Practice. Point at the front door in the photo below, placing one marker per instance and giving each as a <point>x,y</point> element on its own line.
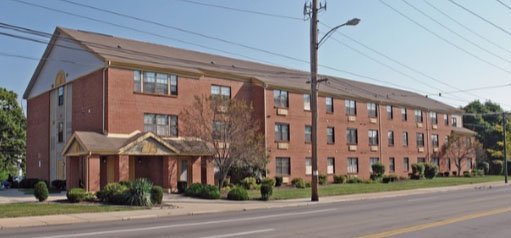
<point>183,173</point>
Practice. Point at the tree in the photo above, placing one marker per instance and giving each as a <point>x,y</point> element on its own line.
<point>487,122</point>
<point>229,127</point>
<point>12,132</point>
<point>458,148</point>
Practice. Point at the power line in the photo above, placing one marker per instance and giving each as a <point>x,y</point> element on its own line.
<point>480,17</point>
<point>443,38</point>
<point>183,30</point>
<point>242,10</point>
<point>454,32</point>
<point>465,27</point>
<point>505,5</point>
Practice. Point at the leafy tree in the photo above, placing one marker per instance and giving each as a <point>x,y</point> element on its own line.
<point>488,127</point>
<point>12,132</point>
<point>229,127</point>
<point>459,148</point>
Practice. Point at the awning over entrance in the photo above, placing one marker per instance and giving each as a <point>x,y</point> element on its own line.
<point>85,143</point>
<point>463,131</point>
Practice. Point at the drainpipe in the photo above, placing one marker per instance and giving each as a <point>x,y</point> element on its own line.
<point>265,125</point>
<point>104,98</point>
<point>88,172</point>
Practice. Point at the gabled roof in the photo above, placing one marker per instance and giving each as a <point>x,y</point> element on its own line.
<point>131,53</point>
<point>84,143</point>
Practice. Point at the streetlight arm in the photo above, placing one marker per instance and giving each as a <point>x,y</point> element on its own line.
<point>351,22</point>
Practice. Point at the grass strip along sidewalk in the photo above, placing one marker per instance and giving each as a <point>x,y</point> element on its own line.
<point>42,209</point>
<point>280,193</point>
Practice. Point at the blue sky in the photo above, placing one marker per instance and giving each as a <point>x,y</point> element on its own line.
<point>421,56</point>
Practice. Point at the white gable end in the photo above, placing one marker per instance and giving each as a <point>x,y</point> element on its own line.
<point>68,56</point>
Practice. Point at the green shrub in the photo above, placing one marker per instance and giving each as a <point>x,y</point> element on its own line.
<point>75,195</point>
<point>466,174</point>
<point>323,179</point>
<point>89,197</point>
<point>496,167</point>
<point>447,174</point>
<point>278,181</point>
<point>139,192</point>
<point>156,194</point>
<point>307,184</point>
<point>249,183</point>
<point>479,172</point>
<point>125,183</point>
<point>268,181</point>
<point>430,170</point>
<point>41,191</point>
<point>194,190</point>
<point>390,178</point>
<point>113,193</point>
<point>266,191</point>
<point>339,179</point>
<point>298,183</point>
<point>484,166</point>
<point>238,194</point>
<point>181,186</point>
<point>378,170</point>
<point>210,192</point>
<point>418,171</point>
<point>353,179</point>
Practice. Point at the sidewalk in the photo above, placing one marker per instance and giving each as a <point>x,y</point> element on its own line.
<point>175,205</point>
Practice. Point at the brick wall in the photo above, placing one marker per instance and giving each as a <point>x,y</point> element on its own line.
<point>38,136</point>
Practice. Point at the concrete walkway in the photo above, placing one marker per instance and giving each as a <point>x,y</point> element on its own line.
<point>175,205</point>
<point>14,195</point>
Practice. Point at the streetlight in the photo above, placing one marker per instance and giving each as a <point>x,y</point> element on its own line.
<point>314,46</point>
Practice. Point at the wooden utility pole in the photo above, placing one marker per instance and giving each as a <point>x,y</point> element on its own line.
<point>314,97</point>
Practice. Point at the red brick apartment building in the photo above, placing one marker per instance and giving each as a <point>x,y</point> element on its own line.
<point>104,109</point>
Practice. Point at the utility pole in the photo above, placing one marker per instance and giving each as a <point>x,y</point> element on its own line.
<point>314,96</point>
<point>505,145</point>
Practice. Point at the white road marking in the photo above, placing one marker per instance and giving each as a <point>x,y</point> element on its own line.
<point>186,224</point>
<point>239,233</point>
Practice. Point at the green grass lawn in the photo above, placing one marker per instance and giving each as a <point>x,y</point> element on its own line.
<point>41,209</point>
<point>345,189</point>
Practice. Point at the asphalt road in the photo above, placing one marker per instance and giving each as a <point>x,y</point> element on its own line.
<point>477,212</point>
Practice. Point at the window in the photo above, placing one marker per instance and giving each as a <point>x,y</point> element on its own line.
<point>373,137</point>
<point>446,140</point>
<point>308,166</point>
<point>352,165</point>
<point>421,160</point>
<point>137,84</point>
<point>60,132</point>
<point>406,164</point>
<point>469,163</point>
<point>329,104</point>
<point>390,136</point>
<point>156,83</point>
<point>449,164</point>
<point>392,165</point>
<point>405,138</point>
<point>373,160</point>
<point>351,107</point>
<point>330,135</point>
<point>454,121</point>
<point>307,102</point>
<point>218,128</point>
<point>446,119</point>
<point>420,139</point>
<point>434,140</point>
<point>221,92</point>
<point>330,165</point>
<point>351,136</point>
<point>282,166</point>
<point>433,118</point>
<point>436,161</point>
<point>308,134</point>
<point>173,85</point>
<point>281,132</point>
<point>162,125</point>
<point>371,110</point>
<point>418,116</point>
<point>60,95</point>
<point>280,98</point>
<point>149,81</point>
<point>390,113</point>
<point>404,114</point>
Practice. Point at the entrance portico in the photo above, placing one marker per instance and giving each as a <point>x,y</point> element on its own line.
<point>94,160</point>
